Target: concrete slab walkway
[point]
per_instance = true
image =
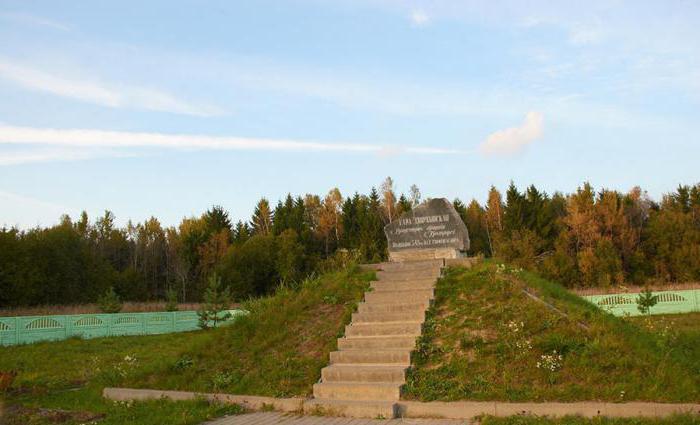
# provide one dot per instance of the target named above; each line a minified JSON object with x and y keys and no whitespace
{"x":270,"y":418}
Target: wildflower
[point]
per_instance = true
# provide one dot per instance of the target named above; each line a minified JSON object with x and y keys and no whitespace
{"x":550,"y":362}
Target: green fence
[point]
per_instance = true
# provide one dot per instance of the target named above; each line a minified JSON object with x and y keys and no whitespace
{"x":29,"y":329}
{"x":669,"y":302}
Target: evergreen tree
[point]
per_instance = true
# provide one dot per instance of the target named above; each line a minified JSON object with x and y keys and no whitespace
{"x":403,"y":205}
{"x":241,"y":232}
{"x":216,"y":219}
{"x":262,"y":218}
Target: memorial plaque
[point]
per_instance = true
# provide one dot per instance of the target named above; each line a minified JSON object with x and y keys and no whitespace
{"x":432,"y":225}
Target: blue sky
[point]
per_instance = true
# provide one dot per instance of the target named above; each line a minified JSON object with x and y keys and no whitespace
{"x":165,"y":108}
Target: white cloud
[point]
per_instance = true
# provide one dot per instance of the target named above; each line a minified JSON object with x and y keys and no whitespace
{"x":419,"y":17}
{"x":32,"y":20}
{"x":87,"y":143}
{"x":514,"y":140}
{"x":582,"y":35}
{"x":113,"y":96}
{"x":26,"y":212}
{"x":60,"y":154}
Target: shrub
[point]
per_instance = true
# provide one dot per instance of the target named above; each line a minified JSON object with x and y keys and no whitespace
{"x":109,"y":302}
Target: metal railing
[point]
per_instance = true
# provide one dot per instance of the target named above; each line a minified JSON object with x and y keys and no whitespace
{"x":30,"y":329}
{"x":668,"y":302}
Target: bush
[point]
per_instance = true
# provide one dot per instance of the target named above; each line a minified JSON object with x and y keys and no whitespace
{"x":109,"y":302}
{"x":290,"y":257}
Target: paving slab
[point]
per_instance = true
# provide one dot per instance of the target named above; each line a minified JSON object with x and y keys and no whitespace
{"x":269,"y":418}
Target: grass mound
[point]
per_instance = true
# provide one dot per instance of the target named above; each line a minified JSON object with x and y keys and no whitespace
{"x":277,"y":350}
{"x":485,"y":338}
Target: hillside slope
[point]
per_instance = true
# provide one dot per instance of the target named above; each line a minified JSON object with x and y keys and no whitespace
{"x":277,"y":350}
{"x":487,"y":339}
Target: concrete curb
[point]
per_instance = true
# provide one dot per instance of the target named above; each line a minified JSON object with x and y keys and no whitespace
{"x":247,"y":401}
{"x":417,"y":409}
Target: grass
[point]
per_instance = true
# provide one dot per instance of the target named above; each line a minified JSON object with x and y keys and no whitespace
{"x":106,"y":413}
{"x":484,"y":338}
{"x":277,"y":350}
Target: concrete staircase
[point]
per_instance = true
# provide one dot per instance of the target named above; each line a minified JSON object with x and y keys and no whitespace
{"x":369,"y":369}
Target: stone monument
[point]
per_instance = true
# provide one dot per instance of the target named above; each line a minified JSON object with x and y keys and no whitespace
{"x":431,"y":230}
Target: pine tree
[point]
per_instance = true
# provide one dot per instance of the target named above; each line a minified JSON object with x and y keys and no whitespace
{"x":216,"y":303}
{"x":241,"y":232}
{"x":216,"y":219}
{"x":404,"y":205}
{"x":262,"y":218}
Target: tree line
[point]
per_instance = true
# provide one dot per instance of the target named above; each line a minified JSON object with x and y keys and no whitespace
{"x":591,"y":239}
{"x":584,"y":238}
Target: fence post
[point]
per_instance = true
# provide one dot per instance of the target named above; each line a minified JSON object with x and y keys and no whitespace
{"x":16,"y":330}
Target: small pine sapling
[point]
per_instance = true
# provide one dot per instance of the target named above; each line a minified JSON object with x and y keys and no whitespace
{"x":646,"y":300}
{"x":171,"y":300}
{"x":214,"y":309}
{"x":109,"y":302}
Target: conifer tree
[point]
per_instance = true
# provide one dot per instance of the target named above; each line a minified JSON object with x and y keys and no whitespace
{"x":262,"y":218}
{"x":404,"y":205}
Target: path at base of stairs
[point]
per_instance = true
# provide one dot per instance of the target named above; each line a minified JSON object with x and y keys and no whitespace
{"x":270,"y":418}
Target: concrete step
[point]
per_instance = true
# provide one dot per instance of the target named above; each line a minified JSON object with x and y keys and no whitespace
{"x":351,"y":408}
{"x":410,"y":296}
{"x":383,"y":329}
{"x":397,"y":356}
{"x":357,"y":391}
{"x":408,"y":275}
{"x":366,"y":373}
{"x":410,"y":265}
{"x":387,"y":317}
{"x":378,"y":307}
{"x":379,"y":286}
{"x":377,"y":343}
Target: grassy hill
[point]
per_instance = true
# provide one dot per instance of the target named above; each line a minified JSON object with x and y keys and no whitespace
{"x":487,"y":338}
{"x":277,"y":350}
{"x":483,"y":340}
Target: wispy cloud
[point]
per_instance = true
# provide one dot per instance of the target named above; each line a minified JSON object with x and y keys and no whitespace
{"x":26,"y":212}
{"x":419,"y":18}
{"x":88,"y":143}
{"x":33,"y":20}
{"x":513,"y":140}
{"x":109,"y":95}
{"x":58,"y":154}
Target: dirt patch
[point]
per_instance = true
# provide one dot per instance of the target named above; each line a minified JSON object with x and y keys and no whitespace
{"x":16,"y":415}
{"x":485,"y":334}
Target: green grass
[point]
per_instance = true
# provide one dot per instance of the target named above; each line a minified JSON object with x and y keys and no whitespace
{"x":277,"y":350}
{"x":85,"y":406}
{"x":484,"y":337}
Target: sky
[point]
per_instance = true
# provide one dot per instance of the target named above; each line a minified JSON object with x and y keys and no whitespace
{"x":165,"y":108}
